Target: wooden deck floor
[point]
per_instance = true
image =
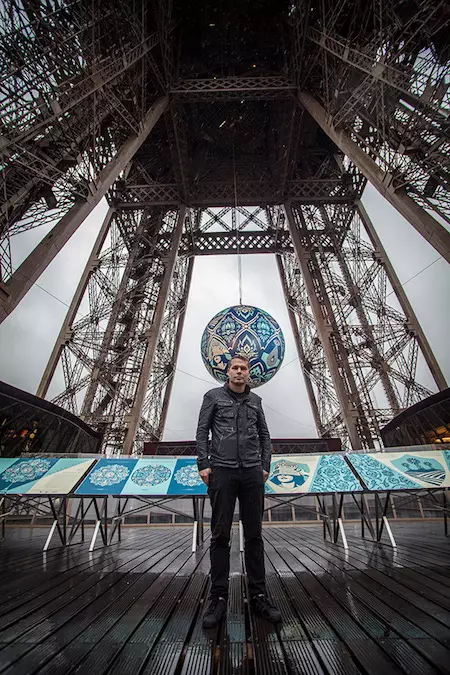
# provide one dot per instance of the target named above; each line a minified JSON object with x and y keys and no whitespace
{"x":136,"y":607}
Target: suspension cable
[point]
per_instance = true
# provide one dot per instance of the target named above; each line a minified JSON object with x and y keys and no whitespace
{"x":239,"y":261}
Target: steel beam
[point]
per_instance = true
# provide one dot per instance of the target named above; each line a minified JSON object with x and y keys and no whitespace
{"x":64,"y":333}
{"x":411,"y":318}
{"x":300,"y":352}
{"x":251,"y":192}
{"x":75,"y":94}
{"x":37,"y":262}
{"x":349,"y":407}
{"x":378,"y":362}
{"x":377,"y":69}
{"x":423,"y":222}
{"x":249,"y":242}
{"x":220,"y":87}
{"x":169,"y":386}
{"x":152,"y":336}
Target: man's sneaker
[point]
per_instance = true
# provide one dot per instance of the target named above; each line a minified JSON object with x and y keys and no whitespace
{"x":214,"y":613}
{"x":262,"y":606}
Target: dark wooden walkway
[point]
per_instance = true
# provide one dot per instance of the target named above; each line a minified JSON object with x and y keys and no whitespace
{"x":137,"y":606}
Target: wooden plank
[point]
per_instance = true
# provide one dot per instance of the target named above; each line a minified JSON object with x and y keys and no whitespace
{"x":378,"y":611}
{"x":137,"y":606}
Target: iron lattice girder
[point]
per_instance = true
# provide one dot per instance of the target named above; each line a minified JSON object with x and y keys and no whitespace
{"x":379,"y":347}
{"x":75,"y":93}
{"x":382,"y":71}
{"x":223,"y":243}
{"x":214,"y":88}
{"x":388,"y":90}
{"x":249,"y":193}
{"x":103,"y":352}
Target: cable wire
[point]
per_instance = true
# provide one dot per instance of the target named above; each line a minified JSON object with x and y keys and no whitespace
{"x":417,"y":274}
{"x":239,"y":261}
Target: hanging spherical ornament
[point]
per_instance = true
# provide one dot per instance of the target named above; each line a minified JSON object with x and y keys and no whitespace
{"x":248,"y":331}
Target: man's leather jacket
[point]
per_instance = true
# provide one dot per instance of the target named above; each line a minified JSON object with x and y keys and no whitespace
{"x":240,"y":436}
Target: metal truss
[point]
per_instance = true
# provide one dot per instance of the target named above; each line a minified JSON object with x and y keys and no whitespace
{"x":157,"y":397}
{"x":388,"y":87}
{"x":233,"y":87}
{"x":83,"y":85}
{"x":103,"y":346}
{"x":66,"y":105}
{"x":337,"y":190}
{"x":358,"y":351}
{"x":226,"y":243}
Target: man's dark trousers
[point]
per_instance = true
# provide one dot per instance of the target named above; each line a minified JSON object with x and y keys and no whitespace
{"x":247,"y":484}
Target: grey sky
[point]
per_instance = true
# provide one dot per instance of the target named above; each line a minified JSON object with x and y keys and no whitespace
{"x":28,"y":335}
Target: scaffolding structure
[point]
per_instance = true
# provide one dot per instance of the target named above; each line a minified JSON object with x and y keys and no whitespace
{"x":184,"y":118}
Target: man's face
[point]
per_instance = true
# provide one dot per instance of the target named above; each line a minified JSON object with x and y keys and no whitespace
{"x":238,"y":372}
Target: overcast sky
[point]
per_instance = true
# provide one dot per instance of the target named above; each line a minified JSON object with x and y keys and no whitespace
{"x":27,"y":336}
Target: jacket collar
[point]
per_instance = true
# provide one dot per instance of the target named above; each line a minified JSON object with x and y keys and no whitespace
{"x":231,"y":392}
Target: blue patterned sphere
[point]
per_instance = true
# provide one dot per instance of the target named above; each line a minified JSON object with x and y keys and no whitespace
{"x":245,"y":330}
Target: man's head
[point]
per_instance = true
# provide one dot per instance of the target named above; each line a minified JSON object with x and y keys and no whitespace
{"x":238,"y":372}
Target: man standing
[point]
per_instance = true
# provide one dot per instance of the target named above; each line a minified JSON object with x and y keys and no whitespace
{"x":236,"y":465}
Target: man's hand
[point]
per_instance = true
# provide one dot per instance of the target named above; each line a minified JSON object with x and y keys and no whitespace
{"x":204,"y":475}
{"x":266,"y":475}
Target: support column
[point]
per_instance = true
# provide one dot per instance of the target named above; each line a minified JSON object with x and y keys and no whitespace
{"x":96,"y":377}
{"x":422,"y":221}
{"x":153,"y":335}
{"x":64,"y":333}
{"x":39,"y":259}
{"x":169,"y":386}
{"x":413,"y":322}
{"x":350,"y":410}
{"x":300,"y":352}
{"x":379,"y":364}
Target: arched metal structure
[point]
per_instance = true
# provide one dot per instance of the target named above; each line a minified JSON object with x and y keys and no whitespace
{"x":178,"y":113}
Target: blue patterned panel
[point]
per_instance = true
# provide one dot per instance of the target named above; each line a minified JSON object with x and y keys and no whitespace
{"x":334,"y":475}
{"x":246,"y":330}
{"x":5,"y":463}
{"x":23,"y":473}
{"x":378,"y":476}
{"x":150,"y":476}
{"x":446,"y":454}
{"x":426,"y":469}
{"x":108,"y":477}
{"x":186,"y":479}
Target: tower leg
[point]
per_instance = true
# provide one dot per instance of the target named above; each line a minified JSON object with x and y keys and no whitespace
{"x":37,"y":262}
{"x":66,"y":328}
{"x":411,"y":318}
{"x":173,"y":363}
{"x":152,"y":336}
{"x":344,"y":384}
{"x":421,"y":220}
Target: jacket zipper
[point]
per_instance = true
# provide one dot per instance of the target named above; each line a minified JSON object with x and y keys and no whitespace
{"x":237,"y":434}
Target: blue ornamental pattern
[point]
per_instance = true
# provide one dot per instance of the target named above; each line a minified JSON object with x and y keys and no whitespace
{"x":151,"y":475}
{"x":109,"y":475}
{"x":379,"y":476}
{"x":426,"y":469}
{"x":188,"y":476}
{"x":446,"y":454}
{"x":246,"y":330}
{"x":26,"y":471}
{"x":333,"y":475}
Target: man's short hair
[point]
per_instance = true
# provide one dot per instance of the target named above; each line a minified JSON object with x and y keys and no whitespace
{"x":241,"y":357}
